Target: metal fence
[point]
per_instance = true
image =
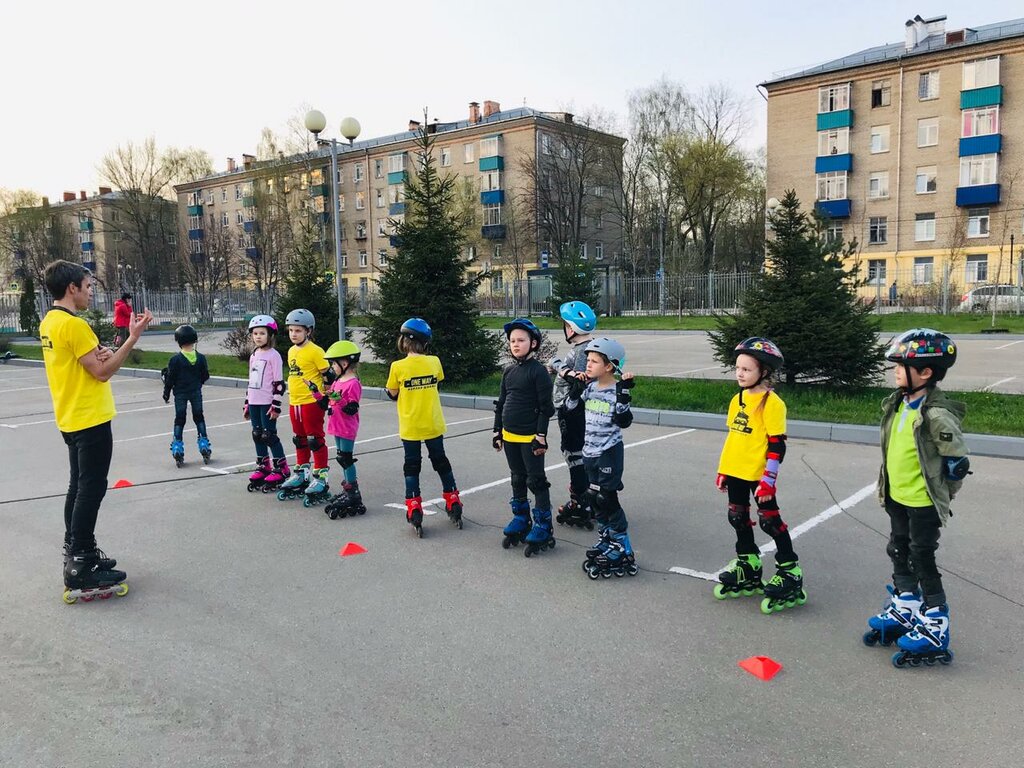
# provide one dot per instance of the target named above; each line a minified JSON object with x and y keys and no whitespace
{"x":945,"y":289}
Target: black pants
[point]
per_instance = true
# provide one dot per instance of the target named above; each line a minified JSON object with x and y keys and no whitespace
{"x":181,"y":402}
{"x":913,"y":539}
{"x":89,"y":452}
{"x":528,"y":474}
{"x":771,"y":523}
{"x":572,"y":425}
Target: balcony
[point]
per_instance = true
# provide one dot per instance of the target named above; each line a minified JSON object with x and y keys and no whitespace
{"x":983,"y":194}
{"x":981,"y":145}
{"x":396,"y":177}
{"x":841,"y":119}
{"x":249,"y":201}
{"x":85,"y":225}
{"x":992,"y":96}
{"x":252,"y":253}
{"x":493,"y":232}
{"x":195,"y":234}
{"x":250,"y":227}
{"x":493,"y":163}
{"x":492,"y":197}
{"x":90,"y":265}
{"x":360,"y":235}
{"x":396,"y":209}
{"x":834,"y":209}
{"x":320,"y":190}
{"x":195,"y":210}
{"x":832,"y":163}
{"x":88,"y":247}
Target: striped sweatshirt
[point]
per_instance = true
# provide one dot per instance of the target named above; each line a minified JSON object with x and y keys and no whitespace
{"x":599,"y":404}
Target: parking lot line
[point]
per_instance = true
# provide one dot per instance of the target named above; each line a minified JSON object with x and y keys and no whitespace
{"x":119,"y":413}
{"x":1004,"y":346}
{"x":990,"y":387}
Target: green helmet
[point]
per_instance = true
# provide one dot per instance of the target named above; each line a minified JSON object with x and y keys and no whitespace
{"x":343,"y":349}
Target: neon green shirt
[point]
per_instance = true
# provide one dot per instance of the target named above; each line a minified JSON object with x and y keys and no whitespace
{"x":906,"y":481}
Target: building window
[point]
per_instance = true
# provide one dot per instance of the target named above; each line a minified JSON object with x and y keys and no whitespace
{"x":360,"y":201}
{"x":834,"y":232}
{"x":834,"y":142}
{"x":362,"y":259}
{"x":361,"y":230}
{"x":195,"y":222}
{"x":224,"y":218}
{"x":928,"y":132}
{"x":977,"y":222}
{"x":977,"y":268}
{"x":381,"y":227}
{"x":928,"y":85}
{"x":468,"y":154}
{"x":545,"y":143}
{"x":223,"y":194}
{"x":396,"y":163}
{"x":304,"y":180}
{"x":878,"y":230}
{"x":832,"y":186}
{"x":382,"y":257}
{"x":364,"y":285}
{"x":978,"y":170}
{"x":876,"y":271}
{"x":344,"y":260}
{"x":209,"y":197}
{"x":598,"y":251}
{"x":492,"y":215}
{"x":981,"y":73}
{"x":879,"y":139}
{"x":380,"y":198}
{"x":238,"y":191}
{"x":881,"y":93}
{"x":378,"y":169}
{"x":924,"y":227}
{"x":241,"y":241}
{"x":172,"y":238}
{"x":980,"y":122}
{"x":490,"y":181}
{"x":238,"y":217}
{"x":396,"y":193}
{"x":497,"y":283}
{"x":446,"y":157}
{"x":599,"y":221}
{"x":834,"y":98}
{"x":926,"y":179}
{"x":924,"y":267}
{"x":357,"y":172}
{"x":341,"y":202}
{"x":878,"y":185}
{"x":490,"y":147}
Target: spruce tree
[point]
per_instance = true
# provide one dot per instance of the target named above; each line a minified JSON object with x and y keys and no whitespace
{"x":806,"y":303}
{"x":427,"y":278}
{"x":573,"y":280}
{"x":28,"y":315}
{"x":307,"y":285}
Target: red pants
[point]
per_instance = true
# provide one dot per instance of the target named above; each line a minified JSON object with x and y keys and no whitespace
{"x":308,"y":426}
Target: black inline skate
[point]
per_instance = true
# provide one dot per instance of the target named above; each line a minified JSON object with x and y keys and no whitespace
{"x":575,"y":514}
{"x":85,"y":578}
{"x":348,"y":502}
{"x":741,"y":578}
{"x":519,"y":526}
{"x":785,"y":590}
{"x":617,"y":559}
{"x":896,"y":619}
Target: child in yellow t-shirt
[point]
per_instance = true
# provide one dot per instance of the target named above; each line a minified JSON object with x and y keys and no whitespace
{"x":753,"y":451}
{"x":412,"y":382}
{"x":307,"y":367}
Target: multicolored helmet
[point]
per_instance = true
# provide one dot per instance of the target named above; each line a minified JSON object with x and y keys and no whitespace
{"x":417,"y":328}
{"x":524,"y":324}
{"x":611,"y":349}
{"x":301,"y":317}
{"x":765,"y":351}
{"x":185,"y":334}
{"x":263,"y":321}
{"x":579,"y":316}
{"x":343,"y":349}
{"x":922,"y":348}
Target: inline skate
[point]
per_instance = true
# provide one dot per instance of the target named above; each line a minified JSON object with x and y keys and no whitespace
{"x":414,"y":514}
{"x":540,"y":537}
{"x":205,"y":449}
{"x":600,"y":546}
{"x":348,"y":502}
{"x":785,"y":589}
{"x":897,"y":619}
{"x":277,"y":476}
{"x":741,"y":578}
{"x":453,"y":506}
{"x":317,"y":491}
{"x":85,"y":578}
{"x":927,"y":642}
{"x":178,"y":452}
{"x":617,"y":558}
{"x":259,"y":476}
{"x":574,"y":513}
{"x":519,"y":526}
{"x":295,"y":486}
{"x":106,"y":563}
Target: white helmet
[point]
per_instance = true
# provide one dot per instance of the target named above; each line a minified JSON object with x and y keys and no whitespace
{"x":263,"y":321}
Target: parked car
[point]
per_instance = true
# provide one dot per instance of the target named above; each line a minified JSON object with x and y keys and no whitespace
{"x":1008,"y":298}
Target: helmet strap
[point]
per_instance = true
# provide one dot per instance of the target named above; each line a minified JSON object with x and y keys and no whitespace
{"x":910,"y":390}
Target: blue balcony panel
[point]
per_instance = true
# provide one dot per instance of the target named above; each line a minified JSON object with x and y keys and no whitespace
{"x":250,"y":227}
{"x":90,"y":265}
{"x":493,"y":232}
{"x":396,"y":177}
{"x":88,"y":246}
{"x":492,"y":197}
{"x":832,"y":163}
{"x":195,"y":210}
{"x":834,"y":209}
{"x":984,"y":194}
{"x":990,"y":96}
{"x":395,"y":241}
{"x":195,"y":234}
{"x":841,"y":119}
{"x":493,"y":163}
{"x":252,"y":253}
{"x":981,"y":145}
{"x":396,"y":209}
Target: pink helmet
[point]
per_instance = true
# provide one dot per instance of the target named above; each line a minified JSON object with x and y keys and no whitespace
{"x":263,"y":321}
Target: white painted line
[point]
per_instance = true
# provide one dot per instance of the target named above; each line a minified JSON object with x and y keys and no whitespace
{"x":218,"y":471}
{"x":1004,"y":346}
{"x":695,"y":574}
{"x":992,"y":386}
{"x":695,"y":370}
{"x":47,"y":386}
{"x":189,"y":429}
{"x":133,"y":410}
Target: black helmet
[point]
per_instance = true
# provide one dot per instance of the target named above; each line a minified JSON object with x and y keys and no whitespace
{"x":763,"y":350}
{"x":185,"y":334}
{"x":125,"y":296}
{"x":922,"y":348}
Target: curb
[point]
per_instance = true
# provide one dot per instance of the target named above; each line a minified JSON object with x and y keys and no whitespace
{"x":1000,"y":446}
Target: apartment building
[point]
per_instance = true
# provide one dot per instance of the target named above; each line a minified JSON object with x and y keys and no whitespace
{"x":915,"y":149}
{"x":496,"y":154}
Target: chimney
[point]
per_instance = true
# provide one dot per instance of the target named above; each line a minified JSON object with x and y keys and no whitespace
{"x":919,"y":29}
{"x":231,"y":165}
{"x":474,"y":113}
{"x":105,"y":190}
{"x":414,"y":125}
{"x":491,"y":108}
{"x":69,"y":197}
{"x":248,"y":161}
{"x":81,"y":195}
{"x":46,"y":202}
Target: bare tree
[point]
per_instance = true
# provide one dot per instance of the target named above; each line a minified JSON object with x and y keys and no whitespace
{"x":31,"y":235}
{"x":205,"y":268}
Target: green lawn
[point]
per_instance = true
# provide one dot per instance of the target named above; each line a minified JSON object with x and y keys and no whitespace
{"x":987,"y":412}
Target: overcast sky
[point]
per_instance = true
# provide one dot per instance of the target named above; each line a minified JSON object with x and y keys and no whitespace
{"x":80,"y":78}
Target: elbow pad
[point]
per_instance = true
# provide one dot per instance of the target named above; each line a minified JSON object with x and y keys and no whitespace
{"x":393,"y":398}
{"x":957,"y":467}
{"x":278,"y":388}
{"x":776,"y":448}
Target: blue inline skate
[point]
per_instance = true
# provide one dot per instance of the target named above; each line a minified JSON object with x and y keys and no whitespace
{"x":604,"y":537}
{"x":178,"y":451}
{"x":540,"y":537}
{"x":618,"y":558}
{"x":927,"y":642}
{"x":741,"y":578}
{"x":318,"y":490}
{"x":519,"y":526}
{"x":896,"y":619}
{"x":205,"y":449}
{"x":294,"y":486}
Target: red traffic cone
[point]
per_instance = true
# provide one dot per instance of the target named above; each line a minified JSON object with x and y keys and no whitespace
{"x":761,"y":667}
{"x":122,"y":483}
{"x":351,"y":549}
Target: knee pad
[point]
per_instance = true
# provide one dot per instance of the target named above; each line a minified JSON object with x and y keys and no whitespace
{"x":257,"y":436}
{"x":518,"y":481}
{"x":537,"y":484}
{"x":300,"y":441}
{"x":601,"y":501}
{"x":267,"y":437}
{"x":441,"y":464}
{"x":412,"y":468}
{"x":316,"y":443}
{"x":346,"y":459}
{"x":771,"y":522}
{"x":739,"y":517}
{"x":590,"y":497}
{"x":894,"y":552}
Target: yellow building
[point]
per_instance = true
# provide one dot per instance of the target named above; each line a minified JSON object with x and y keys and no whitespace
{"x":902,"y":147}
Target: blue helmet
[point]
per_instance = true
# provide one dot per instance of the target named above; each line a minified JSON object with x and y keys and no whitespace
{"x":525,"y":324}
{"x":417,"y":328}
{"x":579,"y":316}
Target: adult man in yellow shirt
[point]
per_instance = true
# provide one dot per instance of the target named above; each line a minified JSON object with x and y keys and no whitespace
{"x":78,"y":371}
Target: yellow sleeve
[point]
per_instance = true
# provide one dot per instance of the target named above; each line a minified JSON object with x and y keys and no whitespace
{"x":440,"y":370}
{"x":775,"y":415}
{"x":81,"y":338}
{"x":392,"y":377}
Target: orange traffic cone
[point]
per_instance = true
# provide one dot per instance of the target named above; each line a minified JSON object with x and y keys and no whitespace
{"x":761,"y":667}
{"x":351,"y":549}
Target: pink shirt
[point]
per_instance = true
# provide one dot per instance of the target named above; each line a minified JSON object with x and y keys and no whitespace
{"x":341,"y":424}
{"x":265,"y":370}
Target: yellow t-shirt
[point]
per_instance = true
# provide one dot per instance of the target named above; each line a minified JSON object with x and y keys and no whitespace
{"x":902,"y":465}
{"x":305,"y":362}
{"x":743,"y":455}
{"x":419,"y":405}
{"x":80,"y":400}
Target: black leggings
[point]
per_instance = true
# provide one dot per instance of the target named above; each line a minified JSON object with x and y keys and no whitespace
{"x":771,"y":523}
{"x":528,"y":474}
{"x":913,"y":540}
{"x":89,"y":453}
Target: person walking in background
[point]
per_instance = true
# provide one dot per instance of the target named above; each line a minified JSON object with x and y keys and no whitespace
{"x":122,"y":317}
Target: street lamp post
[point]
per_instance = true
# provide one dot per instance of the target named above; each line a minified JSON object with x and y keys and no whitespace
{"x":769,"y":209}
{"x":315,"y":124}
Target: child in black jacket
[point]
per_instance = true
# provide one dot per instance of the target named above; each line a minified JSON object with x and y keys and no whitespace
{"x":521,"y":417}
{"x":186,"y":373}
